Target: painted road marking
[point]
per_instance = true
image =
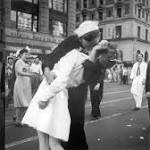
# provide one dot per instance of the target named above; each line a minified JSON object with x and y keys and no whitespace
{"x":109,"y":93}
{"x":33,"y":138}
{"x":16,"y":143}
{"x":109,"y":117}
{"x":112,"y":101}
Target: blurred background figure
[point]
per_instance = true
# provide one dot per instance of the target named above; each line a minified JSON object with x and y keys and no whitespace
{"x":36,"y":66}
{"x":138,"y":76}
{"x":36,"y":69}
{"x":147,"y":86}
{"x":22,"y":87}
{"x":124,"y":74}
{"x":9,"y":80}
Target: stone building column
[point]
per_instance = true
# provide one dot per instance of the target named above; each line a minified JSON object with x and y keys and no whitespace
{"x":71,"y":16}
{"x":7,"y":12}
{"x":43,"y":24}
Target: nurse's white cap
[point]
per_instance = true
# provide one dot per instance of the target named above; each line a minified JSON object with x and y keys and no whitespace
{"x":86,"y":27}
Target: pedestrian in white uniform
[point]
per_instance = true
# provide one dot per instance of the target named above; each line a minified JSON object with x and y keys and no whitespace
{"x":53,"y":122}
{"x":138,"y":76}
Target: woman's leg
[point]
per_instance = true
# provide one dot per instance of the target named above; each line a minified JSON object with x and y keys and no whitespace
{"x":43,"y":141}
{"x":18,"y":114}
{"x":55,"y":144}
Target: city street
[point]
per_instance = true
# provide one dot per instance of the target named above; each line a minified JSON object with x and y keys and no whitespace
{"x":119,"y":128}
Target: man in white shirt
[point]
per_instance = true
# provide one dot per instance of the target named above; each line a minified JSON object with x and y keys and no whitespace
{"x":138,"y":76}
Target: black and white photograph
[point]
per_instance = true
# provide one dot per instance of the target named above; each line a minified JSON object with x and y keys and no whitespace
{"x":75,"y":74}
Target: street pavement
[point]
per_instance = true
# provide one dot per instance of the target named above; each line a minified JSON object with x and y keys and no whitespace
{"x":119,"y":128}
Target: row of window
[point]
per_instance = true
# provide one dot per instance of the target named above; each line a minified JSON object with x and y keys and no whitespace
{"x":141,"y":13}
{"x":108,"y":2}
{"x":118,"y":32}
{"x":23,"y":18}
{"x":139,"y":33}
{"x":109,"y":13}
{"x":24,"y":21}
{"x":58,"y":5}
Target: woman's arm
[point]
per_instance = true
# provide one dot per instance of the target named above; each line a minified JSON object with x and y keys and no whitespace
{"x":21,"y":70}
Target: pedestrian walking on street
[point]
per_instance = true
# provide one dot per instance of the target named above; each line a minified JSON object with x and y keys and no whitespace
{"x":147,"y":86}
{"x":22,"y":94}
{"x":138,"y":76}
{"x":96,"y":92}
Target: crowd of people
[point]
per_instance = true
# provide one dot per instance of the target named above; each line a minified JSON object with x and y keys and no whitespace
{"x":119,"y":73}
{"x":49,"y":95}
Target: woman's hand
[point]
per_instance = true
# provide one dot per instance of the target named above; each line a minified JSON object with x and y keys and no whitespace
{"x":97,"y":50}
{"x":50,"y":76}
{"x":43,"y":104}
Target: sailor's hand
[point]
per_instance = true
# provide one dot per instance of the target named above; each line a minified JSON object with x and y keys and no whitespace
{"x":96,"y":87}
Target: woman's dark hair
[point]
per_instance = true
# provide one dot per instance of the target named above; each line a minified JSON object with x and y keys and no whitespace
{"x":23,"y":51}
{"x":62,"y":49}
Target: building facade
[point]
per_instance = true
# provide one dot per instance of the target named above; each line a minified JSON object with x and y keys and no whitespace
{"x":126,"y":23}
{"x":39,"y":24}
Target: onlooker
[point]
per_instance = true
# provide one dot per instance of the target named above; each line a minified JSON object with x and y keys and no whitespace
{"x":147,"y":86}
{"x":22,"y":87}
{"x":138,"y":76}
{"x":36,"y":69}
{"x":36,"y":66}
{"x":9,"y":79}
{"x":125,"y":74}
{"x":96,"y":94}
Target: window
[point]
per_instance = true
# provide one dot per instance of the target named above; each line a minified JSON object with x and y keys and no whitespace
{"x":143,"y":13}
{"x":24,"y":21}
{"x":101,"y":33}
{"x":101,"y":2}
{"x":119,"y":12}
{"x":109,"y":2}
{"x":78,"y":18}
{"x":118,"y":32}
{"x":77,"y":6}
{"x":93,"y":2}
{"x":24,"y":17}
{"x":58,"y":28}
{"x":50,"y":4}
{"x":135,"y":10}
{"x":127,"y":9}
{"x":146,"y":34}
{"x":143,"y":2}
{"x":100,"y":15}
{"x":139,"y":13}
{"x":84,"y":17}
{"x":139,"y":32}
{"x":109,"y":12}
{"x":92,"y":15}
{"x":85,"y":3}
{"x":13,"y":18}
{"x":1,"y":16}
{"x":58,"y":5}
{"x":35,"y":23}
{"x":1,"y":35}
{"x":147,"y":17}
